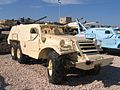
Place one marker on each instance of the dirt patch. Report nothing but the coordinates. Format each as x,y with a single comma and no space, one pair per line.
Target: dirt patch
33,76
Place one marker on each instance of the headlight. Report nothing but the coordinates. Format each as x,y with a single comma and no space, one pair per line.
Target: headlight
97,42
66,44
62,43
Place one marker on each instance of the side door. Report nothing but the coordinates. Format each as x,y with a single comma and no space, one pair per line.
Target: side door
109,41
33,44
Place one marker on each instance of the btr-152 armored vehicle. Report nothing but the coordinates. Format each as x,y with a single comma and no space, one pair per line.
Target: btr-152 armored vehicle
59,47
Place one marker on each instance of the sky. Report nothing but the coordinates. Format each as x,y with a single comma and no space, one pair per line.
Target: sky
104,11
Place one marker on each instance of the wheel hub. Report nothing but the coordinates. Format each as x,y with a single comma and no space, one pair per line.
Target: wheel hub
50,68
12,51
18,53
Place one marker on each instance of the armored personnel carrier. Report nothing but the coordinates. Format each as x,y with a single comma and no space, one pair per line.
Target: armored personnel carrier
61,49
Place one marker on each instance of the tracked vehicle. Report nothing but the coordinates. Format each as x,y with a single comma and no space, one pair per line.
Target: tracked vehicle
61,49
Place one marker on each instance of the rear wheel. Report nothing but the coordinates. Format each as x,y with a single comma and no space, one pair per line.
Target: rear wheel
13,52
22,59
55,68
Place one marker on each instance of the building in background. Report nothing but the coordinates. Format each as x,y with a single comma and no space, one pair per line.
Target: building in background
65,20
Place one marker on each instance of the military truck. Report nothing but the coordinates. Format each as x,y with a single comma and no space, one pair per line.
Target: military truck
60,48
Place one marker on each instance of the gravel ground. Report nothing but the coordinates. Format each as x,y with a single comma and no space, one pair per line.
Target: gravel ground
33,76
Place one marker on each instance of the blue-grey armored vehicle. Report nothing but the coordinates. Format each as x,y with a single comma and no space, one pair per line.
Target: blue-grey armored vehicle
108,37
104,37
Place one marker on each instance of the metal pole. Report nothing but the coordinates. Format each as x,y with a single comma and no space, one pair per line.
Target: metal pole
59,4
59,10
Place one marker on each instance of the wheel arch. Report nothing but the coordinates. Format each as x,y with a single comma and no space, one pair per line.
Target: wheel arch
118,45
44,53
14,42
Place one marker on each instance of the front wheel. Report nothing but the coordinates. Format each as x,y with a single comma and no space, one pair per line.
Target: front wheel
55,68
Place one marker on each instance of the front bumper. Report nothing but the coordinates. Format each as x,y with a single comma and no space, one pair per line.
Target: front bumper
82,64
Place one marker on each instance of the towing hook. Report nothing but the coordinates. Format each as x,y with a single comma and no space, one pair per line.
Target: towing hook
88,62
